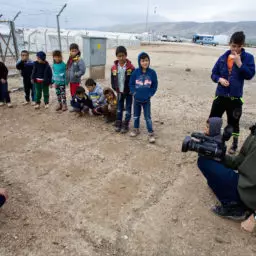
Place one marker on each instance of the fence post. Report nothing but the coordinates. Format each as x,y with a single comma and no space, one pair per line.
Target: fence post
15,44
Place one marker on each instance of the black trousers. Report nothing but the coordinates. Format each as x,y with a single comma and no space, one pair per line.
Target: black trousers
233,109
29,89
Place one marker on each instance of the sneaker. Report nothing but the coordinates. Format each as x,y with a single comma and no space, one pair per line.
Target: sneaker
135,132
1,104
232,212
151,138
9,105
64,107
33,103
25,103
46,106
37,106
58,108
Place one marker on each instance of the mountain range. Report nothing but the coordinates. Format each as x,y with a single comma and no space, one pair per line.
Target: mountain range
187,29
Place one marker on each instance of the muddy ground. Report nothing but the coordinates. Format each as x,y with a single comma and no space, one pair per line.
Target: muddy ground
78,188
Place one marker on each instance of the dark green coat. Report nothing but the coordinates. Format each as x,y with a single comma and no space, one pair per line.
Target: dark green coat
245,163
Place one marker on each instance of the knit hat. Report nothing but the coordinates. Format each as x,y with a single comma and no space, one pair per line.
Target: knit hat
41,55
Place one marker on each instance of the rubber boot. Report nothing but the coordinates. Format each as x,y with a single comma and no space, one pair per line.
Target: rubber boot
118,126
125,127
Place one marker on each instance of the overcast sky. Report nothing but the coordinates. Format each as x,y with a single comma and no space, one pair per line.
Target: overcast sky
99,13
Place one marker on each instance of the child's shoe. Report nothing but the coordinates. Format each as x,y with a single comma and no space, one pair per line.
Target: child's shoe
25,103
118,126
1,104
64,107
151,138
33,103
9,105
135,132
46,106
58,108
37,106
125,127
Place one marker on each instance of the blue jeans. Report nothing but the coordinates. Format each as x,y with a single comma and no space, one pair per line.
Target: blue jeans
127,100
147,114
4,93
222,180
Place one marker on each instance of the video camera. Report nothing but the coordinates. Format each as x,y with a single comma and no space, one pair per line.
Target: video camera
208,146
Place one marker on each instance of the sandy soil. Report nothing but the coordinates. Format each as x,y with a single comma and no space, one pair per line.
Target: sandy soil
77,188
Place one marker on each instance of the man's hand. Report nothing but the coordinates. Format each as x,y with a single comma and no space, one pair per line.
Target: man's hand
3,192
237,60
224,82
249,224
3,81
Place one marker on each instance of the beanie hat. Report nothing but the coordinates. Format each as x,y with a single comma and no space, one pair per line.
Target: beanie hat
41,55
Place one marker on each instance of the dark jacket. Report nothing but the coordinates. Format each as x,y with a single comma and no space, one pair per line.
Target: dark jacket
245,163
80,103
2,200
26,68
42,71
3,71
237,76
143,85
114,76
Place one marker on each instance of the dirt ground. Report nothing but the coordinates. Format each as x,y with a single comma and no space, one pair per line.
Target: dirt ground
77,188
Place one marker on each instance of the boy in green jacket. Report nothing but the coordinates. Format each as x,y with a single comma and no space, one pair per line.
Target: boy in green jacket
59,80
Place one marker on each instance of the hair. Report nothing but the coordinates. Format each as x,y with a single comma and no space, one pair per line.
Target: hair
144,56
238,38
80,90
74,47
57,53
107,91
90,82
121,49
25,51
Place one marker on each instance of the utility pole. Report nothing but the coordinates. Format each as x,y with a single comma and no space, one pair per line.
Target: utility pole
147,17
12,27
58,24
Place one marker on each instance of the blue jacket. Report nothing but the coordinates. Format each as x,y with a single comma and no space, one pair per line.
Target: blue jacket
97,96
237,76
143,85
80,103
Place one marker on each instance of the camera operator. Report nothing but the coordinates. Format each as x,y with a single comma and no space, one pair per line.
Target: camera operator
3,196
233,180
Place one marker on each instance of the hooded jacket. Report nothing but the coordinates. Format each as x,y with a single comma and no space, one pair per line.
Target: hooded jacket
143,85
112,103
245,163
75,69
114,76
237,76
215,124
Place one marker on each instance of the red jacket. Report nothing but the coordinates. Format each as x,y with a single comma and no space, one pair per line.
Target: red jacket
114,76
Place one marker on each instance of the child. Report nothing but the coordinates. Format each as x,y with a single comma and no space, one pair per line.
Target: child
42,78
75,68
59,80
143,86
25,65
120,77
95,94
230,71
110,108
81,103
4,93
